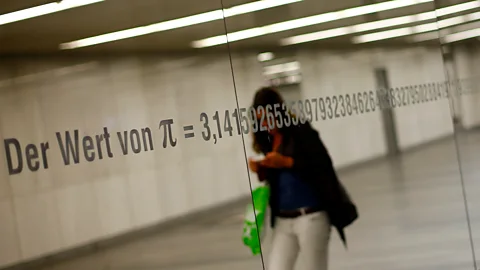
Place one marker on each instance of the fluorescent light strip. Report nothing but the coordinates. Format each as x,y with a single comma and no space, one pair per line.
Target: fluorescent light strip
462,35
341,31
177,23
266,56
395,33
43,10
444,24
303,22
457,8
417,29
281,68
255,6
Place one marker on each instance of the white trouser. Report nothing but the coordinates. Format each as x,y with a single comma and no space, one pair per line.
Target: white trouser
305,237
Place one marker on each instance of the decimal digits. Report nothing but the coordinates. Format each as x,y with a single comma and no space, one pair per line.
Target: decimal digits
360,102
246,120
343,111
314,100
278,117
237,121
294,114
308,110
348,100
288,118
391,98
261,111
373,103
253,119
227,124
270,117
354,103
328,102
403,96
302,112
323,108
365,98
335,105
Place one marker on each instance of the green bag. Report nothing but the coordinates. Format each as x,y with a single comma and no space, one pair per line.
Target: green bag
255,218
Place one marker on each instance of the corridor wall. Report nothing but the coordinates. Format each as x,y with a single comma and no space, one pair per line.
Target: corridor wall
467,61
361,137
65,206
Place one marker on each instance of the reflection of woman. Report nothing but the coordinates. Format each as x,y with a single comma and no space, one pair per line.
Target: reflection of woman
300,173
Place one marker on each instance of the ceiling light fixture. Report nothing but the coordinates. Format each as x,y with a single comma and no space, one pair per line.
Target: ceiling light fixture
38,11
177,23
472,33
281,68
266,56
364,27
396,33
446,23
423,28
306,21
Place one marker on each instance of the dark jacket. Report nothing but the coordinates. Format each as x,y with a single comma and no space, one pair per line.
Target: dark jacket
314,165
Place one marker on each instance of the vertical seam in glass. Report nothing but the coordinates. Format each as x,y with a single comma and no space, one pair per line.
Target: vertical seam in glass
457,151
242,134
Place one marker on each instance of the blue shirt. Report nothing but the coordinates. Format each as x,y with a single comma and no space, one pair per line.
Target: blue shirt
294,193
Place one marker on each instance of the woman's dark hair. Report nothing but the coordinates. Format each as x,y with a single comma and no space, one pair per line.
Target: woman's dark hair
262,141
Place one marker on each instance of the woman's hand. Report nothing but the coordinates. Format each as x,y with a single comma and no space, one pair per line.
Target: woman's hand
276,160
253,165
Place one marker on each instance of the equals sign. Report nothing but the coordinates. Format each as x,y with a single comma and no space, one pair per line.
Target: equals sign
190,134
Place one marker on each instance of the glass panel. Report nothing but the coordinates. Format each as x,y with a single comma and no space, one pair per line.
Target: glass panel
140,145
374,87
125,145
460,52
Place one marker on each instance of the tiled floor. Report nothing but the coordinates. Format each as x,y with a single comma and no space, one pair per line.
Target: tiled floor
412,217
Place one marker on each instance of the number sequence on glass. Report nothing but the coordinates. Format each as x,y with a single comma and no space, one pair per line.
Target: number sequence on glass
323,108
262,119
246,121
415,94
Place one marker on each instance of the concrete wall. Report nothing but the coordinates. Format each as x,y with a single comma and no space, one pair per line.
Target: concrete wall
68,205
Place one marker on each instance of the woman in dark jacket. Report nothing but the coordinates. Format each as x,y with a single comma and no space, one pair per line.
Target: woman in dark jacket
306,196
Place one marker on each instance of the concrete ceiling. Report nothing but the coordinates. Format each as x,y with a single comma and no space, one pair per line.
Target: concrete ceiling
44,34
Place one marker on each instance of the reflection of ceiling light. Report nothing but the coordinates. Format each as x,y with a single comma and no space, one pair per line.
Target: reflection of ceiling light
462,35
177,23
422,28
306,21
459,20
457,8
382,24
255,6
342,31
293,79
266,56
281,68
446,23
38,11
396,33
